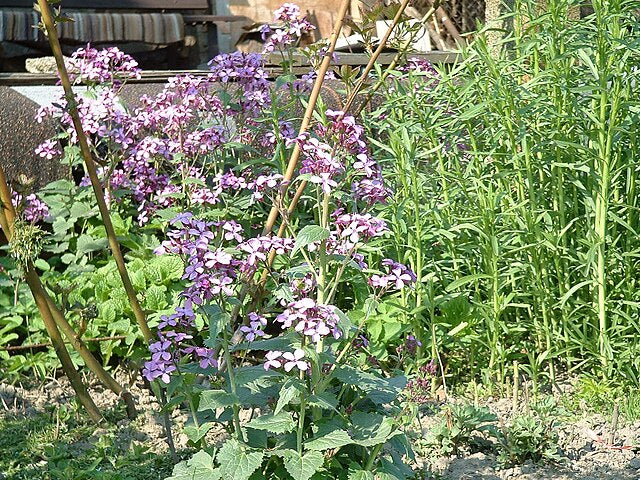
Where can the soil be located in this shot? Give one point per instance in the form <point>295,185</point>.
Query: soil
<point>584,442</point>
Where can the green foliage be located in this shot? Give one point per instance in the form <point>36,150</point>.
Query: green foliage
<point>531,437</point>
<point>59,445</point>
<point>515,175</point>
<point>462,427</point>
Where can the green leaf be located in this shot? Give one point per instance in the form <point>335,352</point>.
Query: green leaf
<point>198,467</point>
<point>213,399</point>
<point>280,423</point>
<point>154,297</point>
<point>238,462</point>
<point>465,280</point>
<point>290,391</point>
<point>310,234</point>
<point>380,390</point>
<point>325,400</point>
<point>87,244</point>
<point>357,473</point>
<point>196,433</point>
<point>329,435</point>
<point>370,429</point>
<point>41,264</point>
<point>109,311</point>
<point>302,467</point>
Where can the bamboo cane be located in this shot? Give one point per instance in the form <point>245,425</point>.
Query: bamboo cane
<point>7,219</point>
<point>349,103</point>
<point>306,119</point>
<point>52,35</point>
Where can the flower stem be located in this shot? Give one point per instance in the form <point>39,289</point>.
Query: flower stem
<point>232,383</point>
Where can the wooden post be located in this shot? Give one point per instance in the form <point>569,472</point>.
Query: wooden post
<point>48,21</point>
<point>7,220</point>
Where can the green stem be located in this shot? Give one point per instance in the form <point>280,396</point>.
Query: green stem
<point>303,410</point>
<point>232,383</point>
<point>373,456</point>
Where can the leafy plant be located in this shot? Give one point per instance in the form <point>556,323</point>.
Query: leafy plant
<point>531,437</point>
<point>513,194</point>
<point>462,427</point>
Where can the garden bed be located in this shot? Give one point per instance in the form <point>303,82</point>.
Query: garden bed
<point>42,436</point>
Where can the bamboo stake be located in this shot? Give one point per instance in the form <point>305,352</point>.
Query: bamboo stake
<point>7,219</point>
<point>52,35</point>
<point>349,103</point>
<point>306,119</point>
<point>58,317</point>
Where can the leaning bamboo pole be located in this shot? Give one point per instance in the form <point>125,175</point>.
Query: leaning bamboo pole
<point>49,24</point>
<point>351,99</point>
<point>7,220</point>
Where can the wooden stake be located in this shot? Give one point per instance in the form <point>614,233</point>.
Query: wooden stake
<point>7,219</point>
<point>52,35</point>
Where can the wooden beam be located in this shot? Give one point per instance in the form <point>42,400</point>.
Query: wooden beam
<point>118,4</point>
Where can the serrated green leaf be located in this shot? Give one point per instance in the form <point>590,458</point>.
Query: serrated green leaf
<point>328,436</point>
<point>356,473</point>
<point>280,423</point>
<point>154,297</point>
<point>310,234</point>
<point>196,433</point>
<point>370,429</point>
<point>87,244</point>
<point>237,461</point>
<point>198,467</point>
<point>325,400</point>
<point>302,467</point>
<point>213,399</point>
<point>290,391</point>
<point>380,390</point>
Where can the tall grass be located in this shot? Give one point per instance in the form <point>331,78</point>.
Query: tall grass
<point>516,196</point>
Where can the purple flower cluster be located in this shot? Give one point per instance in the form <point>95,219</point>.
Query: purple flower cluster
<point>319,161</point>
<point>173,346</point>
<point>353,228</point>
<point>30,208</point>
<point>311,319</point>
<point>257,249</point>
<point>110,65</point>
<point>410,346</point>
<point>247,72</point>
<point>288,360</point>
<point>418,389</point>
<point>302,286</point>
<point>210,269</point>
<point>420,66</point>
<point>369,185</point>
<point>176,131</point>
<point>399,276</point>
<point>255,328</point>
<point>48,149</point>
<point>265,185</point>
<point>306,80</point>
<point>294,27</point>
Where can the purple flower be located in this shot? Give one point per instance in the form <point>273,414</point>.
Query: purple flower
<point>255,327</point>
<point>370,191</point>
<point>274,359</point>
<point>111,65</point>
<point>30,208</point>
<point>353,228</point>
<point>310,319</point>
<point>294,360</point>
<point>264,184</point>
<point>399,276</point>
<point>48,149</point>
